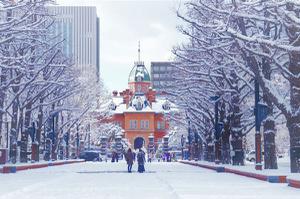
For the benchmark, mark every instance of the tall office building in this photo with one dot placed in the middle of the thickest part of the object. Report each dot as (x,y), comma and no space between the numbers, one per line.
(162,75)
(79,27)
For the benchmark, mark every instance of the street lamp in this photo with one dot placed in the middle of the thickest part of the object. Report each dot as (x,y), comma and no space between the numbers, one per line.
(7,131)
(182,145)
(261,113)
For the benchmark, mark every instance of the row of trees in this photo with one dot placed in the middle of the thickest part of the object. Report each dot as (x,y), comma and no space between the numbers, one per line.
(233,46)
(41,89)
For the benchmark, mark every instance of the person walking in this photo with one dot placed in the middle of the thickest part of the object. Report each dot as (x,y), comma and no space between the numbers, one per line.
(113,156)
(141,161)
(129,159)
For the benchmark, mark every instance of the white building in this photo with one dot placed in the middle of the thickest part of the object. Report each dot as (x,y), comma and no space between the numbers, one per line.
(79,27)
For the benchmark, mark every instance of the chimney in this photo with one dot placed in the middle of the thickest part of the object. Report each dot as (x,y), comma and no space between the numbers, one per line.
(115,93)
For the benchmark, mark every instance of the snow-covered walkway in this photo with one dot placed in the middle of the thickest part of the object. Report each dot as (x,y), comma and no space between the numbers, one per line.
(110,180)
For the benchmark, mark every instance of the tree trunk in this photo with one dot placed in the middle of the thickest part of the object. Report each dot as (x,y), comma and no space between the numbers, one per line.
(225,145)
(24,132)
(293,122)
(226,159)
(294,130)
(200,149)
(40,123)
(209,149)
(270,159)
(14,120)
(13,132)
(236,128)
(2,98)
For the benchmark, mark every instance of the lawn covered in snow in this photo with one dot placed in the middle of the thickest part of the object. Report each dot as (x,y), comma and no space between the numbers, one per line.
(110,180)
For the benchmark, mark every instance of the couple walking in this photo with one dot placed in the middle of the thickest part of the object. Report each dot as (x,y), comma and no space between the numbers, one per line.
(130,157)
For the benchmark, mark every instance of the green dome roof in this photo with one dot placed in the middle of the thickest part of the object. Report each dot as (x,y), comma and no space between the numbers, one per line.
(139,73)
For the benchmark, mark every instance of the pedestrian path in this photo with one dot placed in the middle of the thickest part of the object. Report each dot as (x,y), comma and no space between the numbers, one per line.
(163,180)
(281,175)
(13,168)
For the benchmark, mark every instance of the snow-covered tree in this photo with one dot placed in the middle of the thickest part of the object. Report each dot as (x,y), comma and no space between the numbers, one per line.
(256,40)
(40,85)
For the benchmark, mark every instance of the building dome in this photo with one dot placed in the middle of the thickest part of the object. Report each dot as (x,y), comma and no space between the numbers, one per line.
(139,73)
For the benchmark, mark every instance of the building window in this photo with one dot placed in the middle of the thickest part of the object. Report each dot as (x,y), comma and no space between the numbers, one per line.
(155,68)
(144,124)
(160,125)
(133,124)
(162,68)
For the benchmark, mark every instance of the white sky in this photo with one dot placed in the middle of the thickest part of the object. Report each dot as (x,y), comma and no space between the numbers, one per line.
(122,24)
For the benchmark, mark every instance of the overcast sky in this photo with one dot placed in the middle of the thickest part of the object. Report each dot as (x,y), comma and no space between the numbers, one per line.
(124,23)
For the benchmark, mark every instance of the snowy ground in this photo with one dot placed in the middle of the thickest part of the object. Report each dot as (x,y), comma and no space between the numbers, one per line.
(110,180)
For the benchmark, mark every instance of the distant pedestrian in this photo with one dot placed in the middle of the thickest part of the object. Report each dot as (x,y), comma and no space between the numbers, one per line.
(150,157)
(114,156)
(141,161)
(168,157)
(117,157)
(129,159)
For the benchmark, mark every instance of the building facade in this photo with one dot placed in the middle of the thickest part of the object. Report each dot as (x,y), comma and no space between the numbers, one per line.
(138,111)
(79,27)
(162,75)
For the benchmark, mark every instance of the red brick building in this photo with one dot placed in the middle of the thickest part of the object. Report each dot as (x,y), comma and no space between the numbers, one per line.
(138,111)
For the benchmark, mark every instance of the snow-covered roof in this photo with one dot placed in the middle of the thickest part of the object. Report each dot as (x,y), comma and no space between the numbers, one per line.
(140,104)
(120,109)
(118,100)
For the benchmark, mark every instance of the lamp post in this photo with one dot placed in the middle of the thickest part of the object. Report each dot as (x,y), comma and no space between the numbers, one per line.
(258,165)
(7,131)
(196,135)
(182,146)
(217,144)
(53,152)
(260,112)
(189,139)
(34,144)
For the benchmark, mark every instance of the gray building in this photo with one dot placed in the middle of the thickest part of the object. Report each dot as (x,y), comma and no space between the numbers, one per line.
(79,27)
(162,75)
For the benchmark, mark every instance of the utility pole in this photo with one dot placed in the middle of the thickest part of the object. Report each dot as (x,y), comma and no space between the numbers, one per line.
(261,113)
(258,164)
(217,140)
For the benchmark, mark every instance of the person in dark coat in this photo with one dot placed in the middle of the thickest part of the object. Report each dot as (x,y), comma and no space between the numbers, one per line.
(113,156)
(134,156)
(129,159)
(141,161)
